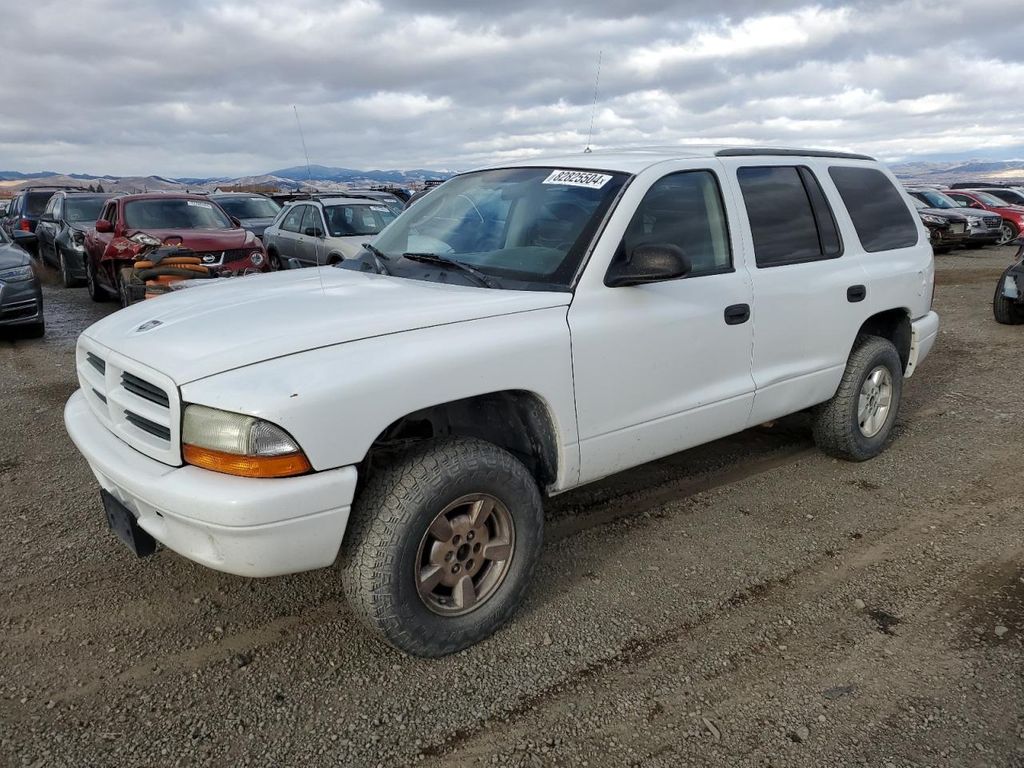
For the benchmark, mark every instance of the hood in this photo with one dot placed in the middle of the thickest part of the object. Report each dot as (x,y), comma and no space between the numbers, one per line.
(946,213)
(219,325)
(257,226)
(13,256)
(204,239)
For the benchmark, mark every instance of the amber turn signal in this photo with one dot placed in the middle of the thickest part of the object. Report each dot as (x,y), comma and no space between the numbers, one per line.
(287,465)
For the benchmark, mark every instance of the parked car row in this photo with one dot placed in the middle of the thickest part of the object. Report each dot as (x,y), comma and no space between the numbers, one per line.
(970,216)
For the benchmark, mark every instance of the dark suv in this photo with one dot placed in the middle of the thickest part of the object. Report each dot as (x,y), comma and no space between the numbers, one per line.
(23,214)
(60,233)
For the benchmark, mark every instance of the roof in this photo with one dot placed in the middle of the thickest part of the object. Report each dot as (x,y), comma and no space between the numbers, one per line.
(638,159)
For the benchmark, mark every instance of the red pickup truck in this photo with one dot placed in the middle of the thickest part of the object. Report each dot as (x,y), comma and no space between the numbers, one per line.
(129,224)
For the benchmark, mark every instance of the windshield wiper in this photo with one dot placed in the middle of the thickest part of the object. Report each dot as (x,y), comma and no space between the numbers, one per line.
(436,258)
(378,258)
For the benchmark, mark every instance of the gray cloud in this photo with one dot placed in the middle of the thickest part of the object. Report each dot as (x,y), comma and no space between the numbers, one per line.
(206,88)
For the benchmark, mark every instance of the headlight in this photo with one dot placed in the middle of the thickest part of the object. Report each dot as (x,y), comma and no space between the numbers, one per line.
(239,445)
(143,239)
(933,219)
(974,221)
(16,273)
(256,258)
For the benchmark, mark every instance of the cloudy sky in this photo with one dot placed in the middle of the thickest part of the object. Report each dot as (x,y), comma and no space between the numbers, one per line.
(206,87)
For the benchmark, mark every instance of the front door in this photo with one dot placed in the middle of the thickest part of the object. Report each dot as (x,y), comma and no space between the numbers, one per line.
(664,366)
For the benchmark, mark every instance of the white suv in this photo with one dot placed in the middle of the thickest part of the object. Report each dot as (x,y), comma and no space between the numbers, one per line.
(523,330)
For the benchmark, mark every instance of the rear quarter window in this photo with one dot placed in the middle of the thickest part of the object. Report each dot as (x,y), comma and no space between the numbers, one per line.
(879,214)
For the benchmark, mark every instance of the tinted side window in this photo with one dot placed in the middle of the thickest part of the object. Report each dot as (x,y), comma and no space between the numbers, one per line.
(684,209)
(292,219)
(790,219)
(878,211)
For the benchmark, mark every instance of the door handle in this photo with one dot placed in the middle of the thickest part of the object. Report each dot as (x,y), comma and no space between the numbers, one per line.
(737,314)
(856,293)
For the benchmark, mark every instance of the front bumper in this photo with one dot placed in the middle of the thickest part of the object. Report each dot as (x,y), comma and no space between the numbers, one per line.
(923,333)
(21,303)
(245,526)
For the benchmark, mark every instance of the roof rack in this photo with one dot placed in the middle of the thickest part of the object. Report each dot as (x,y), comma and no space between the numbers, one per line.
(57,187)
(755,151)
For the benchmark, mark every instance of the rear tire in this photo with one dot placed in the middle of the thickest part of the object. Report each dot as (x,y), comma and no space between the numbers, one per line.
(1006,311)
(274,259)
(856,423)
(396,539)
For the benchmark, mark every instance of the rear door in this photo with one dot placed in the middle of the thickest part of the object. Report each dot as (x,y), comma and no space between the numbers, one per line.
(807,289)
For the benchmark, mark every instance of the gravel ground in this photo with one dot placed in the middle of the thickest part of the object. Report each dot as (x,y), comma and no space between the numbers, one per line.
(749,603)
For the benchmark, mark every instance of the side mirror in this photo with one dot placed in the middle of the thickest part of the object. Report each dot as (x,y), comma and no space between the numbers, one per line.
(47,217)
(313,232)
(104,226)
(651,263)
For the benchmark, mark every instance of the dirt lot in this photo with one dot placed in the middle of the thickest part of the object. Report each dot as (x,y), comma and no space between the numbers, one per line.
(751,603)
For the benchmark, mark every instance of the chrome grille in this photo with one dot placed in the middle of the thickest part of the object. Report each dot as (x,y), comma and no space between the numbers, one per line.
(993,222)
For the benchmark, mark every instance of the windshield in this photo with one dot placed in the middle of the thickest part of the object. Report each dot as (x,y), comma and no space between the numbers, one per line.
(527,227)
(357,220)
(918,204)
(992,200)
(1011,196)
(937,199)
(83,208)
(249,207)
(175,214)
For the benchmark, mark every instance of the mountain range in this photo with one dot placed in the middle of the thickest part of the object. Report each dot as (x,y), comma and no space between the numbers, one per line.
(328,178)
(296,177)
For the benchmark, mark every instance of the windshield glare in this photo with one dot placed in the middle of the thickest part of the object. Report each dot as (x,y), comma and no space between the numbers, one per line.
(357,220)
(249,207)
(937,199)
(528,227)
(83,208)
(175,214)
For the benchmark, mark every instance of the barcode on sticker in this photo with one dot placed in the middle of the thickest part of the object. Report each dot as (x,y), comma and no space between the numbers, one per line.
(578,179)
(198,204)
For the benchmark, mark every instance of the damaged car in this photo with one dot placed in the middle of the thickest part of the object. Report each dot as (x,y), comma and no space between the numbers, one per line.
(130,226)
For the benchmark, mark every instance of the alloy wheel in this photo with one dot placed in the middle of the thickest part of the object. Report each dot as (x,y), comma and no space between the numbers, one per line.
(875,401)
(465,554)
(1006,233)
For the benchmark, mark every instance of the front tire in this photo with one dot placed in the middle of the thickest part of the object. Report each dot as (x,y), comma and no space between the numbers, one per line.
(442,544)
(66,279)
(274,259)
(856,423)
(1007,234)
(96,291)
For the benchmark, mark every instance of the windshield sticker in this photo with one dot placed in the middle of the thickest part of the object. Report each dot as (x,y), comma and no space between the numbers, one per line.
(578,179)
(197,204)
(380,208)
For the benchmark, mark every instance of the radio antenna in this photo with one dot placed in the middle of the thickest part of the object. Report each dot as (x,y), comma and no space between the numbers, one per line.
(302,138)
(309,179)
(593,109)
